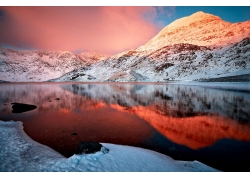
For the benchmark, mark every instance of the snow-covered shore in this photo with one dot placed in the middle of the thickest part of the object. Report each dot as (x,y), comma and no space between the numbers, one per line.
(20,153)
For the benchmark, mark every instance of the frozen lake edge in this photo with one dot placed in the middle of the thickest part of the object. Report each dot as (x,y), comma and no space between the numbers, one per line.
(22,154)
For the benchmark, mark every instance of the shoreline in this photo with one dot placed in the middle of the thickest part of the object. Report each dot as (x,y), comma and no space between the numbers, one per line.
(20,153)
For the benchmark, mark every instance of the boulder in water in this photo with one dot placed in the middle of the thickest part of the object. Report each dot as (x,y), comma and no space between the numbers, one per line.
(20,107)
(90,147)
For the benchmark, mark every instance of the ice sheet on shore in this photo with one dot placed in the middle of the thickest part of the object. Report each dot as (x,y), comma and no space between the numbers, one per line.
(19,152)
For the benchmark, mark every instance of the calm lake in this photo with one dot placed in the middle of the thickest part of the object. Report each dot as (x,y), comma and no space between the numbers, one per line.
(185,122)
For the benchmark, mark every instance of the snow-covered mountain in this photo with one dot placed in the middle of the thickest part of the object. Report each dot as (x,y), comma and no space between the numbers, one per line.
(198,47)
(200,29)
(181,62)
(24,66)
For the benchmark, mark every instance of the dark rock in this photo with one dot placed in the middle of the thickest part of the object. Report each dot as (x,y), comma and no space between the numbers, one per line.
(1,81)
(4,104)
(57,99)
(74,134)
(74,77)
(20,108)
(90,147)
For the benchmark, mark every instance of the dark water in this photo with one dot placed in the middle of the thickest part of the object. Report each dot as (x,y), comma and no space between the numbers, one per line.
(184,122)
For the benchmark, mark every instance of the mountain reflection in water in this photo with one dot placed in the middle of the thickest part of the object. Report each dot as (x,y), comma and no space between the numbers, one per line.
(190,117)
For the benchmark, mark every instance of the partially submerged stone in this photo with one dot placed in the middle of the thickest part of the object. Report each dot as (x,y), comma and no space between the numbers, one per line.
(90,147)
(20,107)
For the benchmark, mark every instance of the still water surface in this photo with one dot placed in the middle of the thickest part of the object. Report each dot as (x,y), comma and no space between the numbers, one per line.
(185,122)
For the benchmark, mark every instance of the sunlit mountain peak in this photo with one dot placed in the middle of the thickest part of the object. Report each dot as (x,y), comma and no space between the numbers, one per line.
(200,29)
(199,17)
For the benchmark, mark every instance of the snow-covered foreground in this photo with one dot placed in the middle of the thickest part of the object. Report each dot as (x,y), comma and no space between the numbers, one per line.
(19,152)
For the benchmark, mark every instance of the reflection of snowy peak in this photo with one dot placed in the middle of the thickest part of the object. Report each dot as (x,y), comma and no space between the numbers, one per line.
(200,29)
(166,99)
(40,65)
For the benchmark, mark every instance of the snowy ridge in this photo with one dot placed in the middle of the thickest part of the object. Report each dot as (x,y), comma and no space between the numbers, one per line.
(36,66)
(91,57)
(179,62)
(24,154)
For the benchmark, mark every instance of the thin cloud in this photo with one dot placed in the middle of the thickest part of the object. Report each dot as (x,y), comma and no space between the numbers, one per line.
(168,11)
(103,29)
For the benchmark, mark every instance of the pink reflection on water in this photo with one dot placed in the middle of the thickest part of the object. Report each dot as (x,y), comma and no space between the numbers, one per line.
(194,132)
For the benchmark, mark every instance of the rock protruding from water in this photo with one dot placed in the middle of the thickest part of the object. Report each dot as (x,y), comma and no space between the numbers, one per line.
(90,148)
(20,108)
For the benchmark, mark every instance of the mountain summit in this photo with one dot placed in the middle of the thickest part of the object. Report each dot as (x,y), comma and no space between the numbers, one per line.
(200,29)
(199,16)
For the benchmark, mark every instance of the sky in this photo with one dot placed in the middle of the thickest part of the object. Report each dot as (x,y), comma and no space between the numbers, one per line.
(105,29)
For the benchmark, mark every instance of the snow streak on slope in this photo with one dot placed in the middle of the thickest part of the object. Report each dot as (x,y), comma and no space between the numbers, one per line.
(35,66)
(20,153)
